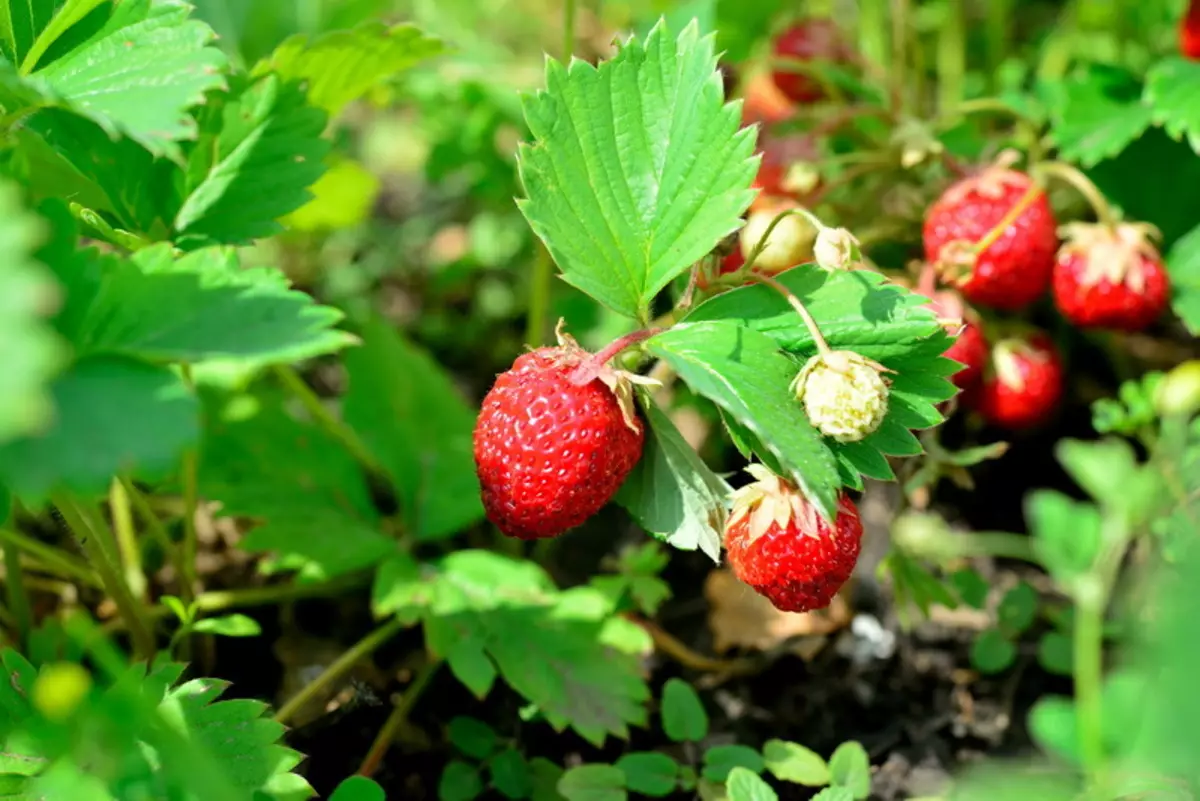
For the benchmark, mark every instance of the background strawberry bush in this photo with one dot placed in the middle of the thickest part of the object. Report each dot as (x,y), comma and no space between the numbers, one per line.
(263,261)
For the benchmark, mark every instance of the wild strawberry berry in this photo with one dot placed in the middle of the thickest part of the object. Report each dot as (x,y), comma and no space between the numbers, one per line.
(1110,277)
(970,349)
(789,244)
(779,544)
(810,40)
(837,249)
(843,394)
(1189,32)
(763,103)
(993,235)
(550,451)
(970,346)
(787,169)
(1025,383)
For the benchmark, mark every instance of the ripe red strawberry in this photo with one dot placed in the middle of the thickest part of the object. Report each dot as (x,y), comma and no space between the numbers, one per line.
(971,349)
(1025,383)
(1110,277)
(1012,269)
(779,544)
(1189,32)
(549,451)
(809,40)
(764,103)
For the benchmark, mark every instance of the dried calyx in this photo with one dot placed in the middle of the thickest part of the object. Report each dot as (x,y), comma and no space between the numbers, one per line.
(770,500)
(590,367)
(1113,252)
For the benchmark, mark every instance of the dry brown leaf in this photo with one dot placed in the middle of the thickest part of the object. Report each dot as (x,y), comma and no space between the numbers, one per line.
(740,617)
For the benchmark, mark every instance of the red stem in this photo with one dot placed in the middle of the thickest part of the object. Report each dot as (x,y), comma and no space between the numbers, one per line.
(590,367)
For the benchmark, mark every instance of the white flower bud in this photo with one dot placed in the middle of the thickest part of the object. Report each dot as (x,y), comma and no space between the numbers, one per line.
(836,249)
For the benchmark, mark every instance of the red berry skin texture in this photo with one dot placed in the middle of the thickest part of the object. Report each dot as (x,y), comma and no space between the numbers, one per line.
(811,40)
(1014,268)
(798,564)
(1130,303)
(549,453)
(1025,386)
(971,349)
(1189,32)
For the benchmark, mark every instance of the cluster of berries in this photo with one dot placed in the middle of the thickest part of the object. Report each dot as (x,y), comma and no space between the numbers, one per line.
(993,238)
(557,435)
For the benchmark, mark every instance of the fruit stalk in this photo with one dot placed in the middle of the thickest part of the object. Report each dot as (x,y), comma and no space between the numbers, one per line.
(951,56)
(127,544)
(98,544)
(18,597)
(1026,200)
(342,665)
(397,718)
(588,370)
(1083,185)
(823,348)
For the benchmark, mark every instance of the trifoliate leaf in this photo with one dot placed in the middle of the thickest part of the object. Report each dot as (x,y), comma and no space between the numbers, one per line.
(859,312)
(133,67)
(744,372)
(1172,93)
(199,307)
(626,201)
(259,151)
(131,415)
(415,422)
(1100,113)
(1183,265)
(672,493)
(309,494)
(557,649)
(342,66)
(29,350)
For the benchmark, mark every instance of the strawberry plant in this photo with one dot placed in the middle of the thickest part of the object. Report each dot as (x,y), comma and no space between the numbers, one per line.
(287,509)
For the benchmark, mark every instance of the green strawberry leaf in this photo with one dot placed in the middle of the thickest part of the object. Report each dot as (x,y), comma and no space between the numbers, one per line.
(341,66)
(684,718)
(564,651)
(744,372)
(415,422)
(1183,265)
(672,493)
(133,67)
(857,311)
(719,760)
(29,349)
(316,514)
(593,783)
(792,762)
(1171,92)
(850,767)
(143,734)
(132,416)
(746,785)
(628,201)
(358,788)
(199,307)
(259,151)
(649,773)
(1101,112)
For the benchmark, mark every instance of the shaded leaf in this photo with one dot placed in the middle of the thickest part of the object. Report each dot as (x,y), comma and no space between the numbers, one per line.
(649,773)
(1100,114)
(672,493)
(415,422)
(683,715)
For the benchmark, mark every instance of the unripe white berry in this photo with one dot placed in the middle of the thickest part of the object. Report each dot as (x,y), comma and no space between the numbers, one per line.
(790,242)
(843,394)
(836,249)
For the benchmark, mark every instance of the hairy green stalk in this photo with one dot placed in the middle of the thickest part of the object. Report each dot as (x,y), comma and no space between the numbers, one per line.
(396,720)
(127,544)
(99,544)
(321,415)
(18,597)
(53,559)
(951,57)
